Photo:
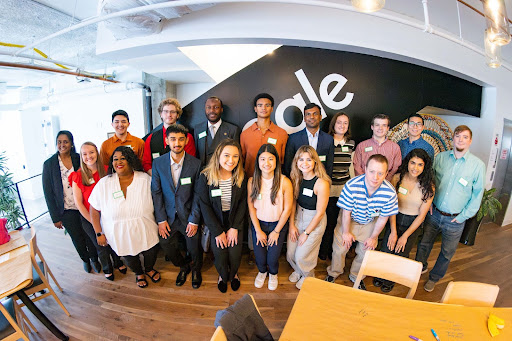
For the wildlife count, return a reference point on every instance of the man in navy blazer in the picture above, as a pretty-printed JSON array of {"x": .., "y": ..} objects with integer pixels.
[
  {"x": 173, "y": 181},
  {"x": 313, "y": 136},
  {"x": 208, "y": 135}
]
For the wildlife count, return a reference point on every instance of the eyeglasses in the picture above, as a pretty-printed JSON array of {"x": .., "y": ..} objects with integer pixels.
[
  {"x": 415, "y": 124},
  {"x": 173, "y": 112}
]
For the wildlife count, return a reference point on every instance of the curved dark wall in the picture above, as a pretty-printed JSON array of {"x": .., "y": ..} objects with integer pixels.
[{"x": 378, "y": 85}]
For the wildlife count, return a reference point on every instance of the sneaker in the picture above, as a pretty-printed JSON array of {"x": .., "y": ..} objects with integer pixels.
[
  {"x": 294, "y": 277},
  {"x": 260, "y": 279},
  {"x": 330, "y": 279},
  {"x": 429, "y": 286},
  {"x": 424, "y": 270},
  {"x": 272, "y": 282},
  {"x": 298, "y": 285}
]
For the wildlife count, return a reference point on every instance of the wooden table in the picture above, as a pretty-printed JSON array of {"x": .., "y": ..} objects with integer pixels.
[{"x": 325, "y": 311}]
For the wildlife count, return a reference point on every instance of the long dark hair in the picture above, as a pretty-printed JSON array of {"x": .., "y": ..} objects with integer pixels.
[
  {"x": 426, "y": 178},
  {"x": 130, "y": 157},
  {"x": 70, "y": 137},
  {"x": 256, "y": 181}
]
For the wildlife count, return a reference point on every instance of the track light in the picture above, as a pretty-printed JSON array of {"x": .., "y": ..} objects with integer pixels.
[{"x": 368, "y": 5}]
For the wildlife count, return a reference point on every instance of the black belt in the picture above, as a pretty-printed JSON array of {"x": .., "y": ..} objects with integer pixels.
[{"x": 446, "y": 214}]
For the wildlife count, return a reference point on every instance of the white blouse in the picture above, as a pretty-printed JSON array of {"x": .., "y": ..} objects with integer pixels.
[
  {"x": 67, "y": 190},
  {"x": 128, "y": 223}
]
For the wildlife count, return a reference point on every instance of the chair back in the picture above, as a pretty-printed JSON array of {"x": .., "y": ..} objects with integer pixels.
[
  {"x": 471, "y": 294},
  {"x": 9, "y": 329},
  {"x": 394, "y": 268}
]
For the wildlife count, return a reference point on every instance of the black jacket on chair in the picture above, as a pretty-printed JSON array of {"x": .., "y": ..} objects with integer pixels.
[
  {"x": 52, "y": 185},
  {"x": 226, "y": 130},
  {"x": 211, "y": 207}
]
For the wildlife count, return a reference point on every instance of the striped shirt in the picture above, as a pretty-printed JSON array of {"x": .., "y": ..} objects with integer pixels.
[
  {"x": 225, "y": 199},
  {"x": 370, "y": 147},
  {"x": 354, "y": 197}
]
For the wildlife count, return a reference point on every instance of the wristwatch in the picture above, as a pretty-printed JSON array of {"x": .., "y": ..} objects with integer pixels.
[
  {"x": 307, "y": 234},
  {"x": 99, "y": 234}
]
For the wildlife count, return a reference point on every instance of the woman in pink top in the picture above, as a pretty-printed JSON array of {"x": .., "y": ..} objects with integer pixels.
[{"x": 270, "y": 200}]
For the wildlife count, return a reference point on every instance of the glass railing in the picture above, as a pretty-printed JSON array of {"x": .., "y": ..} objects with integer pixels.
[{"x": 30, "y": 199}]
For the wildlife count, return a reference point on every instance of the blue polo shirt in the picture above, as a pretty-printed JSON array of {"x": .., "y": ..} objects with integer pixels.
[
  {"x": 354, "y": 197},
  {"x": 406, "y": 147}
]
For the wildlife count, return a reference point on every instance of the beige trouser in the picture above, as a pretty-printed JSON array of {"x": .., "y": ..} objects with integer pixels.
[
  {"x": 303, "y": 258},
  {"x": 361, "y": 233}
]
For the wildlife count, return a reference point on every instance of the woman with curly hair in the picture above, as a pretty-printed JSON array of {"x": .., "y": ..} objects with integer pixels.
[
  {"x": 415, "y": 188},
  {"x": 122, "y": 214},
  {"x": 308, "y": 219}
]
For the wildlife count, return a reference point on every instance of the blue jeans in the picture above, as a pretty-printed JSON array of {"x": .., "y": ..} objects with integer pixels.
[
  {"x": 268, "y": 256},
  {"x": 451, "y": 232}
]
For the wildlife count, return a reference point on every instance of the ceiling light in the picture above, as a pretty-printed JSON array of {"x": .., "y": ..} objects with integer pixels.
[
  {"x": 492, "y": 52},
  {"x": 368, "y": 5},
  {"x": 498, "y": 31}
]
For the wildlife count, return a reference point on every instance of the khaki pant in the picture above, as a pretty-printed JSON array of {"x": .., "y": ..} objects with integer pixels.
[
  {"x": 361, "y": 233},
  {"x": 303, "y": 258}
]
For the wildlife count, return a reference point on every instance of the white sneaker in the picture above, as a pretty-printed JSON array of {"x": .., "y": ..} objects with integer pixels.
[
  {"x": 299, "y": 283},
  {"x": 294, "y": 277},
  {"x": 272, "y": 282},
  {"x": 260, "y": 280}
]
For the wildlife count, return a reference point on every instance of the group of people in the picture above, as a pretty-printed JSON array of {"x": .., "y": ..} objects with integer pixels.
[{"x": 317, "y": 191}]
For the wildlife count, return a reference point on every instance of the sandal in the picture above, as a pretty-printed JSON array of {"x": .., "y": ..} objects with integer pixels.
[
  {"x": 123, "y": 271},
  {"x": 155, "y": 273},
  {"x": 141, "y": 280}
]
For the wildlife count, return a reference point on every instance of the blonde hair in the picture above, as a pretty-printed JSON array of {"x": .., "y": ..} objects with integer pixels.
[
  {"x": 170, "y": 101},
  {"x": 212, "y": 170},
  {"x": 86, "y": 173},
  {"x": 296, "y": 174}
]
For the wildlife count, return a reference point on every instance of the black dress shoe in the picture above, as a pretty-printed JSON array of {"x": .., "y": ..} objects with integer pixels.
[
  {"x": 223, "y": 286},
  {"x": 235, "y": 284},
  {"x": 197, "y": 279},
  {"x": 377, "y": 282},
  {"x": 96, "y": 265},
  {"x": 387, "y": 288},
  {"x": 87, "y": 267},
  {"x": 182, "y": 277}
]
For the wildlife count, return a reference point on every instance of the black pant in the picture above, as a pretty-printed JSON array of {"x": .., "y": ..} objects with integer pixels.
[
  {"x": 135, "y": 265},
  {"x": 104, "y": 252},
  {"x": 83, "y": 245},
  {"x": 227, "y": 260},
  {"x": 171, "y": 247},
  {"x": 332, "y": 212}
]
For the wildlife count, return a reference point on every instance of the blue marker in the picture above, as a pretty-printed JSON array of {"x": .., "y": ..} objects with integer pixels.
[{"x": 435, "y": 335}]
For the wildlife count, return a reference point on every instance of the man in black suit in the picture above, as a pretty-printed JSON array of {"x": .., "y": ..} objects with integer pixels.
[
  {"x": 208, "y": 134},
  {"x": 176, "y": 206},
  {"x": 313, "y": 136}
]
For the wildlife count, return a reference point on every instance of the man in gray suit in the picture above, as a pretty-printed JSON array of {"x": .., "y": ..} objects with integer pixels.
[{"x": 209, "y": 134}]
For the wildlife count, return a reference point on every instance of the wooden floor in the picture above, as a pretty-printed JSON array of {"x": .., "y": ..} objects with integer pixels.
[{"x": 104, "y": 310}]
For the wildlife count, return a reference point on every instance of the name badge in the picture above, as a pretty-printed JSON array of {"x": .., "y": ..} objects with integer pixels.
[
  {"x": 216, "y": 193},
  {"x": 118, "y": 194},
  {"x": 307, "y": 192},
  {"x": 186, "y": 181},
  {"x": 322, "y": 158},
  {"x": 91, "y": 181},
  {"x": 463, "y": 182},
  {"x": 201, "y": 135},
  {"x": 259, "y": 196},
  {"x": 344, "y": 149},
  {"x": 374, "y": 214},
  {"x": 368, "y": 149},
  {"x": 155, "y": 155},
  {"x": 271, "y": 140},
  {"x": 402, "y": 190}
]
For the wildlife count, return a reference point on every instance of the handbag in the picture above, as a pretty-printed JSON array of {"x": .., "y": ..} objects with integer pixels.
[
  {"x": 205, "y": 238},
  {"x": 4, "y": 234}
]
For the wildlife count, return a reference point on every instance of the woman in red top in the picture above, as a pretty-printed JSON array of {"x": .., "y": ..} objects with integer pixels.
[{"x": 83, "y": 181}]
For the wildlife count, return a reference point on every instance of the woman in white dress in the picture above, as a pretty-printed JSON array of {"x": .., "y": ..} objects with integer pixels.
[{"x": 122, "y": 214}]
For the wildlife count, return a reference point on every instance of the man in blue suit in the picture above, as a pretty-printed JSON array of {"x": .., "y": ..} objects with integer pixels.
[
  {"x": 177, "y": 211},
  {"x": 322, "y": 142}
]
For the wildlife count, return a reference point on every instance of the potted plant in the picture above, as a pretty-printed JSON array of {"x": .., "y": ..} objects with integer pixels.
[
  {"x": 9, "y": 207},
  {"x": 490, "y": 206}
]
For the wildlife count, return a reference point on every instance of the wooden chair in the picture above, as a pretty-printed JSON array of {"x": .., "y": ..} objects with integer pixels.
[
  {"x": 9, "y": 329},
  {"x": 394, "y": 268},
  {"x": 471, "y": 294},
  {"x": 41, "y": 274}
]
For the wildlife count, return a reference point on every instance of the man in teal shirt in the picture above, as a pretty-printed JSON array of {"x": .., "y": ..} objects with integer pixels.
[{"x": 459, "y": 178}]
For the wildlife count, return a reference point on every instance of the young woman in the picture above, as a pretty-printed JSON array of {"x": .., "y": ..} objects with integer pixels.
[
  {"x": 270, "y": 201},
  {"x": 414, "y": 184},
  {"x": 83, "y": 181},
  {"x": 122, "y": 214},
  {"x": 307, "y": 220},
  {"x": 59, "y": 198},
  {"x": 341, "y": 173},
  {"x": 223, "y": 199}
]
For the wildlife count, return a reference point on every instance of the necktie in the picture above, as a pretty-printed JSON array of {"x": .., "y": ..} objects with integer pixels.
[{"x": 212, "y": 131}]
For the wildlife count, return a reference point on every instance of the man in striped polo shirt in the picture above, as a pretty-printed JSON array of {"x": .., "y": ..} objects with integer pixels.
[{"x": 367, "y": 201}]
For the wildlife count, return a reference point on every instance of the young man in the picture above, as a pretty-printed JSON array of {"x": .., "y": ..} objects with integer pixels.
[
  {"x": 460, "y": 178},
  {"x": 209, "y": 134},
  {"x": 156, "y": 144},
  {"x": 415, "y": 127},
  {"x": 367, "y": 201},
  {"x": 322, "y": 142},
  {"x": 261, "y": 132},
  {"x": 176, "y": 206},
  {"x": 378, "y": 144},
  {"x": 120, "y": 123}
]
